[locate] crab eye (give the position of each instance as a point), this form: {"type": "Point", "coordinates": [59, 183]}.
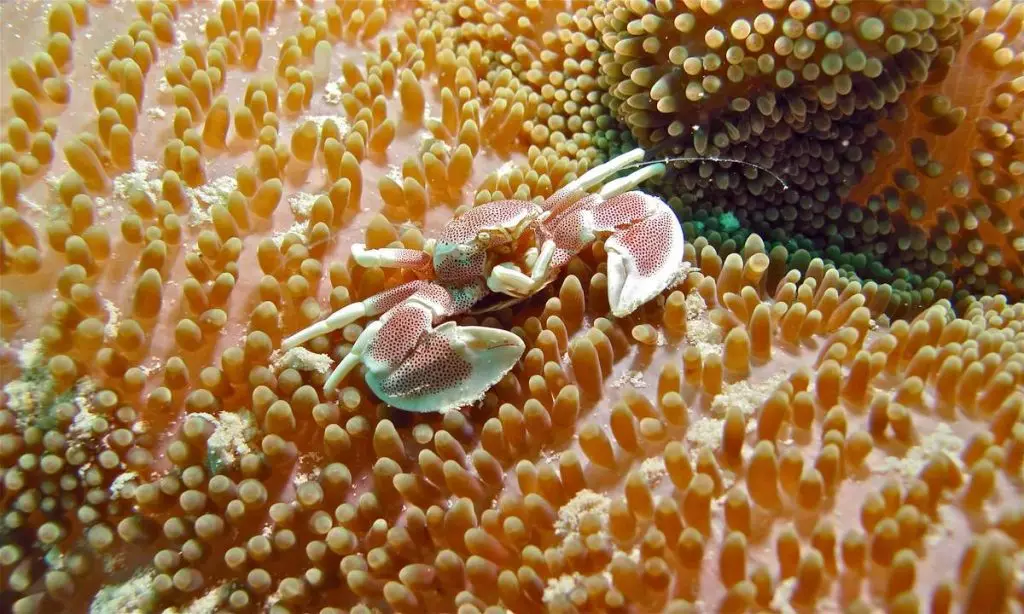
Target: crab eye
{"type": "Point", "coordinates": [483, 236]}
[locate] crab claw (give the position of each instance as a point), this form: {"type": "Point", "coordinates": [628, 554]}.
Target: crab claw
{"type": "Point", "coordinates": [451, 366]}
{"type": "Point", "coordinates": [644, 257]}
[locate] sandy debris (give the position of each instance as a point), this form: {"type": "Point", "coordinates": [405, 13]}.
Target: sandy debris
{"type": "Point", "coordinates": [747, 397]}
{"type": "Point", "coordinates": [942, 439]}
{"type": "Point", "coordinates": [653, 470]}
{"type": "Point", "coordinates": [633, 378]}
{"type": "Point", "coordinates": [138, 179]}
{"type": "Point", "coordinates": [126, 598]}
{"type": "Point", "coordinates": [104, 208]}
{"type": "Point", "coordinates": [566, 583]}
{"type": "Point", "coordinates": [31, 355]}
{"type": "Point", "coordinates": [332, 93]}
{"type": "Point", "coordinates": [704, 433]}
{"type": "Point", "coordinates": [562, 585]}
{"type": "Point", "coordinates": [113, 319]}
{"type": "Point", "coordinates": [119, 486]}
{"type": "Point", "coordinates": [113, 563]}
{"type": "Point", "coordinates": [207, 603]}
{"type": "Point", "coordinates": [585, 501]}
{"type": "Point", "coordinates": [32, 397]}
{"type": "Point", "coordinates": [151, 365]}
{"type": "Point", "coordinates": [312, 474]}
{"type": "Point", "coordinates": [506, 169]}
{"type": "Point", "coordinates": [33, 206]}
{"type": "Point", "coordinates": [302, 359]}
{"type": "Point", "coordinates": [340, 120]}
{"type": "Point", "coordinates": [301, 204]}
{"type": "Point", "coordinates": [700, 330]}
{"type": "Point", "coordinates": [308, 476]}
{"type": "Point", "coordinates": [395, 172]}
{"type": "Point", "coordinates": [232, 432]}
{"type": "Point", "coordinates": [156, 113]}
{"type": "Point", "coordinates": [213, 192]}
{"type": "Point", "coordinates": [82, 426]}
{"type": "Point", "coordinates": [298, 229]}
{"type": "Point", "coordinates": [24, 396]}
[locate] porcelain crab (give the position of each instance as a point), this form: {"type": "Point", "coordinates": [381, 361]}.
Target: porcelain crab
{"type": "Point", "coordinates": [418, 359]}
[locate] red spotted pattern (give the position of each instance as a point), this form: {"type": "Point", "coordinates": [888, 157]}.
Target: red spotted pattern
{"type": "Point", "coordinates": [433, 367]}
{"type": "Point", "coordinates": [410, 358]}
{"type": "Point", "coordinates": [459, 269]}
{"type": "Point", "coordinates": [405, 324]}
{"type": "Point", "coordinates": [453, 300]}
{"type": "Point", "coordinates": [400, 330]}
{"type": "Point", "coordinates": [647, 241]}
{"type": "Point", "coordinates": [500, 213]}
{"type": "Point", "coordinates": [623, 210]}
{"type": "Point", "coordinates": [381, 302]}
{"type": "Point", "coordinates": [564, 200]}
{"type": "Point", "coordinates": [411, 258]}
{"type": "Point", "coordinates": [640, 223]}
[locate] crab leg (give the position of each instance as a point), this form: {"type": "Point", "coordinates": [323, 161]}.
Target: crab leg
{"type": "Point", "coordinates": [599, 173]}
{"type": "Point", "coordinates": [373, 306]}
{"type": "Point", "coordinates": [389, 257]}
{"type": "Point", "coordinates": [353, 358]}
{"type": "Point", "coordinates": [508, 279]}
{"type": "Point", "coordinates": [630, 181]}
{"type": "Point", "coordinates": [569, 197]}
{"type": "Point", "coordinates": [543, 263]}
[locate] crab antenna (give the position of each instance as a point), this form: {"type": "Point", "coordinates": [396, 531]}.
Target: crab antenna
{"type": "Point", "coordinates": [601, 172]}
{"type": "Point", "coordinates": [341, 318]}
{"type": "Point", "coordinates": [630, 181]}
{"type": "Point", "coordinates": [785, 186]}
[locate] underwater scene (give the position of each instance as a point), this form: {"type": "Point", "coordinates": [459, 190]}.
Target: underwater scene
{"type": "Point", "coordinates": [484, 306]}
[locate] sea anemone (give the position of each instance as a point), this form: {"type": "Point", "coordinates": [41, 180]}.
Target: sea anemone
{"type": "Point", "coordinates": [824, 413]}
